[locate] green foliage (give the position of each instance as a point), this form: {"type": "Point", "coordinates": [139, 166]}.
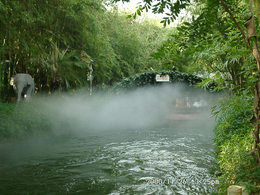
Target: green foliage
{"type": "Point", "coordinates": [51, 39]}
{"type": "Point", "coordinates": [208, 42]}
{"type": "Point", "coordinates": [34, 32]}
{"type": "Point", "coordinates": [205, 83]}
{"type": "Point", "coordinates": [133, 41]}
{"type": "Point", "coordinates": [173, 9]}
{"type": "Point", "coordinates": [24, 120]}
{"type": "Point", "coordinates": [233, 142]}
{"type": "Point", "coordinates": [236, 165]}
{"type": "Point", "coordinates": [174, 53]}
{"type": "Point", "coordinates": [65, 64]}
{"type": "Point", "coordinates": [232, 117]}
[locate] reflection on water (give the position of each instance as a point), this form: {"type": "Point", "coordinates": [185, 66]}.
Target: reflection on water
{"type": "Point", "coordinates": [163, 160]}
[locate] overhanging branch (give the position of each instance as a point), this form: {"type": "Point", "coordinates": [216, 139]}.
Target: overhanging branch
{"type": "Point", "coordinates": [236, 23]}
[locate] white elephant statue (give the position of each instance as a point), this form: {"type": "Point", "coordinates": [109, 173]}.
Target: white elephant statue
{"type": "Point", "coordinates": [23, 84]}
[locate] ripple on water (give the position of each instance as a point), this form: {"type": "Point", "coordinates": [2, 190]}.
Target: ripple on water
{"type": "Point", "coordinates": [168, 166]}
{"type": "Point", "coordinates": [157, 163]}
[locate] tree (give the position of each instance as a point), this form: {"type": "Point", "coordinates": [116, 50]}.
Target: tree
{"type": "Point", "coordinates": [133, 41]}
{"type": "Point", "coordinates": [54, 42]}
{"type": "Point", "coordinates": [171, 9]}
{"type": "Point", "coordinates": [36, 31]}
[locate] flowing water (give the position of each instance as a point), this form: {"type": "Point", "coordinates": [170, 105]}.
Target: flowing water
{"type": "Point", "coordinates": [170, 159]}
{"type": "Point", "coordinates": [118, 145]}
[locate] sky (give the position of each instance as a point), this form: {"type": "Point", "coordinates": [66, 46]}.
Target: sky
{"type": "Point", "coordinates": [133, 4]}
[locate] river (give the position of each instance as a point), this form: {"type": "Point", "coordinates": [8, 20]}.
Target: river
{"type": "Point", "coordinates": [119, 145]}
{"type": "Point", "coordinates": [176, 158]}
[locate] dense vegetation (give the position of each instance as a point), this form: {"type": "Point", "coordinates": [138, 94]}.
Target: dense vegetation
{"type": "Point", "coordinates": [234, 142]}
{"type": "Point", "coordinates": [54, 42]}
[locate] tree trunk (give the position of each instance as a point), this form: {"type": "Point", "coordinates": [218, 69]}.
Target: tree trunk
{"type": "Point", "coordinates": [251, 33]}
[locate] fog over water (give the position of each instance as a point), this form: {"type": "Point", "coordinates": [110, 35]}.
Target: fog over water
{"type": "Point", "coordinates": [122, 144]}
{"type": "Point", "coordinates": [144, 107]}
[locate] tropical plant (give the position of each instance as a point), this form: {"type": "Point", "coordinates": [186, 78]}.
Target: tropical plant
{"type": "Point", "coordinates": [49, 39]}
{"type": "Point", "coordinates": [233, 142]}
{"type": "Point", "coordinates": [35, 29]}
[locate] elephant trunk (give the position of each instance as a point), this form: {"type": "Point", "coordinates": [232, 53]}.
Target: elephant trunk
{"type": "Point", "coordinates": [19, 93]}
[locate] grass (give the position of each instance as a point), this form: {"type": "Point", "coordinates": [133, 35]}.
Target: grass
{"type": "Point", "coordinates": [29, 119]}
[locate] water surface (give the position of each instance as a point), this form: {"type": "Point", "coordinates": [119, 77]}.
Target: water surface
{"type": "Point", "coordinates": [170, 159]}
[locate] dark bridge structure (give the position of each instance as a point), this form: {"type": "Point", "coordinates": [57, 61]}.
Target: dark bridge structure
{"type": "Point", "coordinates": [151, 79]}
{"type": "Point", "coordinates": [188, 103]}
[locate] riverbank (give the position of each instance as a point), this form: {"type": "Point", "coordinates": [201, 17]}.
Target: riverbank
{"type": "Point", "coordinates": [233, 141]}
{"type": "Point", "coordinates": [24, 120]}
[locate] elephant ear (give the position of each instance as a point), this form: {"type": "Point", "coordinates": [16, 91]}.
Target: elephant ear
{"type": "Point", "coordinates": [12, 81]}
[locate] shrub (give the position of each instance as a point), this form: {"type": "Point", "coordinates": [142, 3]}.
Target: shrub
{"type": "Point", "coordinates": [232, 117]}
{"type": "Point", "coordinates": [233, 142]}
{"type": "Point", "coordinates": [236, 165]}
